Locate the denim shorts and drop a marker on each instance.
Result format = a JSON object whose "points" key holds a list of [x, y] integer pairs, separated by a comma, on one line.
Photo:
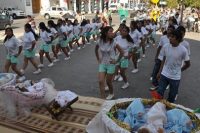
{"points": [[107, 68], [13, 59]]}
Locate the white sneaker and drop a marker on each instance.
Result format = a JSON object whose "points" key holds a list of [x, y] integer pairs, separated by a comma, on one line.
{"points": [[22, 71], [22, 78], [51, 64], [67, 58], [116, 77], [148, 46], [167, 87], [110, 96], [71, 50], [87, 43], [37, 72], [143, 56], [151, 78], [83, 46], [106, 88], [120, 78], [79, 48], [41, 65], [69, 53], [56, 60], [135, 71], [139, 60], [126, 85], [59, 53]]}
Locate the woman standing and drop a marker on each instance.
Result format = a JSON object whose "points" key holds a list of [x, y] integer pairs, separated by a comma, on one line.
{"points": [[13, 48], [106, 48], [29, 40]]}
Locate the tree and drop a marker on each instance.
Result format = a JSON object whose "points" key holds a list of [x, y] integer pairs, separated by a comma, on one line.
{"points": [[172, 3]]}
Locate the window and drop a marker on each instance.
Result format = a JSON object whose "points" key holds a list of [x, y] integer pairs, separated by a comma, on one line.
{"points": [[59, 9], [53, 8], [28, 2]]}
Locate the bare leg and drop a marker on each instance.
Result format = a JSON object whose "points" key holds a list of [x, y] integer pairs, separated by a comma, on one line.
{"points": [[123, 74], [65, 51], [134, 60], [109, 79], [48, 57], [32, 60], [25, 63], [41, 56], [14, 68], [102, 77], [7, 66], [54, 52]]}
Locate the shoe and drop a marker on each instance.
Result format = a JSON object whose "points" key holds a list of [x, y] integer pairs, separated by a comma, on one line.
{"points": [[41, 65], [167, 87], [79, 48], [37, 72], [56, 60], [51, 64], [116, 77], [148, 46], [21, 79], [135, 71], [71, 50], [153, 88], [67, 58], [151, 78], [87, 43], [126, 85], [139, 60], [83, 46], [120, 78], [59, 53], [69, 53], [143, 56], [106, 88], [110, 96], [22, 71]]}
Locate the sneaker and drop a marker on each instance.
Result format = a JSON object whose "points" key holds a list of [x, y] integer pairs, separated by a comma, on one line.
{"points": [[41, 65], [51, 64], [59, 53], [143, 56], [139, 60], [167, 87], [83, 46], [67, 58], [22, 78], [153, 88], [22, 71], [56, 60], [79, 48], [110, 96], [148, 46], [37, 72], [151, 78], [106, 88], [135, 71], [116, 77], [71, 50], [126, 85], [87, 43], [120, 78], [69, 53]]}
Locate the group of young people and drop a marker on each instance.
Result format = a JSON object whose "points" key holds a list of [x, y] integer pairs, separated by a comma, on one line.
{"points": [[115, 49], [60, 37]]}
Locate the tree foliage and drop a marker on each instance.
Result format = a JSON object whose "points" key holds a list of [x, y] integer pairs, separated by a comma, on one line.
{"points": [[172, 3]]}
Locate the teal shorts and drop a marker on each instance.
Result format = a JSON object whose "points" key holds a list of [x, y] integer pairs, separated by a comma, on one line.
{"points": [[123, 63], [107, 68], [29, 54], [13, 59], [76, 37], [63, 43], [45, 47], [55, 42]]}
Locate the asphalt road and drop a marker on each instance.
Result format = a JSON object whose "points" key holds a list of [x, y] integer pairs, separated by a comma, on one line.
{"points": [[80, 73]]}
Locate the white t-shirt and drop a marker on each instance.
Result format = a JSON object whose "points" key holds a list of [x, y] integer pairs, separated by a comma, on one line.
{"points": [[174, 58], [53, 31], [45, 36], [186, 45], [77, 29], [69, 28], [107, 51], [124, 44], [93, 26], [163, 40], [12, 45], [154, 27], [144, 31], [136, 36], [88, 27], [28, 38], [62, 30]]}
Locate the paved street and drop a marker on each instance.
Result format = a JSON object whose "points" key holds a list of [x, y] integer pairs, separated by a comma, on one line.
{"points": [[80, 73]]}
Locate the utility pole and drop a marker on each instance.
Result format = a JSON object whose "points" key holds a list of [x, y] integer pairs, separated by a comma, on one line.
{"points": [[182, 4]]}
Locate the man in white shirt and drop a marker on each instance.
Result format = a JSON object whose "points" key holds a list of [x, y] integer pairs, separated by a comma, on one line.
{"points": [[172, 56]]}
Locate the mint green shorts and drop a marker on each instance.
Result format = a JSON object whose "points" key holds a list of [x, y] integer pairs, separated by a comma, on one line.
{"points": [[45, 47], [63, 43], [123, 63], [76, 37], [29, 54], [55, 42], [13, 59], [107, 68]]}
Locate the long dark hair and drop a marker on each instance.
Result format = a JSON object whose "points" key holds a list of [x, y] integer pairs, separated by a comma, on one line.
{"points": [[177, 34], [52, 24], [43, 27], [84, 22], [104, 33], [7, 37], [28, 26], [128, 37], [134, 25]]}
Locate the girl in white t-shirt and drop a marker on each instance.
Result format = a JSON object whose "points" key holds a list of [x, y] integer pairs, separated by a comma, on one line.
{"points": [[83, 33], [29, 41], [46, 38], [54, 32], [13, 49], [77, 33], [137, 37], [94, 27], [126, 43], [88, 31], [69, 27]]}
